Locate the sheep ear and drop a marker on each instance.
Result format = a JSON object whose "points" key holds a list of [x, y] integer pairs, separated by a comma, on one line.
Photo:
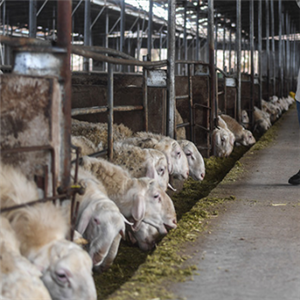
{"points": [[138, 211], [84, 219]]}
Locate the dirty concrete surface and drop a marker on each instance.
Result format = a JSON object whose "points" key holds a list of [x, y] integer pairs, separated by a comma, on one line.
{"points": [[252, 249]]}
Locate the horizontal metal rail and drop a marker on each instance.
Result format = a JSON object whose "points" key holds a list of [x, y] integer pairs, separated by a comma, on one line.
{"points": [[100, 109]]}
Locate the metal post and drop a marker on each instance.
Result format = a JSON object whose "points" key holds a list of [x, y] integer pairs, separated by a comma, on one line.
{"points": [[3, 23], [185, 38], [273, 47], [238, 58], [197, 34], [260, 52], [171, 69], [216, 42], [268, 47], [150, 29], [252, 59], [229, 65], [280, 64], [224, 39], [212, 78], [87, 31], [106, 37], [32, 18], [110, 111], [122, 27], [64, 26]]}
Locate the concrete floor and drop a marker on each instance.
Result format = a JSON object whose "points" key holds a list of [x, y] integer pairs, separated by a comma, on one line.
{"points": [[252, 249]]}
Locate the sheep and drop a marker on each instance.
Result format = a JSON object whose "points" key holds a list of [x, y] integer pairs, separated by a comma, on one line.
{"points": [[195, 159], [180, 132], [262, 120], [145, 238], [99, 220], [19, 279], [138, 198], [41, 229], [177, 161], [222, 142], [97, 132], [86, 146], [141, 162], [242, 136], [272, 109], [245, 119]]}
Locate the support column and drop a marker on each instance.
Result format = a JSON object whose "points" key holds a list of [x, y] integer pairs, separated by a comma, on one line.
{"points": [[238, 58]]}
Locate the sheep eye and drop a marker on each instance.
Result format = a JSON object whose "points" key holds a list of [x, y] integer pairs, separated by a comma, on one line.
{"points": [[62, 277], [188, 154], [161, 171], [178, 154]]}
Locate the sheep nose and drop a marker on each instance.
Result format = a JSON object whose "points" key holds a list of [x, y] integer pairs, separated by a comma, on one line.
{"points": [[202, 175]]}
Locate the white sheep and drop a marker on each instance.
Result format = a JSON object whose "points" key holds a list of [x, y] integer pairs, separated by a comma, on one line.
{"points": [[141, 199], [245, 119], [177, 161], [146, 237], [242, 135], [262, 120], [19, 279], [99, 220], [97, 132], [41, 229], [222, 142], [142, 162], [195, 159]]}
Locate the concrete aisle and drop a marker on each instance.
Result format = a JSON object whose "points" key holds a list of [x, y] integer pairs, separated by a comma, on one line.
{"points": [[253, 249]]}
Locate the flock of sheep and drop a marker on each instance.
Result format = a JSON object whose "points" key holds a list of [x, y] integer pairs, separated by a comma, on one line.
{"points": [[125, 198]]}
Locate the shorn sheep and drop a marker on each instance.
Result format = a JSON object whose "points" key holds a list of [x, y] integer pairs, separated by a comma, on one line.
{"points": [[242, 135], [141, 162], [41, 229], [177, 161], [222, 142], [19, 278], [141, 199], [99, 221], [195, 159]]}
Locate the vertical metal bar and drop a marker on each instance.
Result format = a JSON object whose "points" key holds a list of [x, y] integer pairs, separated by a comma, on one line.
{"points": [[238, 58], [106, 36], [185, 38], [216, 42], [244, 55], [3, 23], [268, 46], [87, 31], [171, 69], [32, 18], [251, 4], [64, 25], [150, 29], [224, 39], [197, 34], [145, 99], [160, 43], [190, 87], [122, 26], [110, 112], [273, 48], [212, 78], [138, 50], [230, 41], [260, 52], [280, 65]]}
